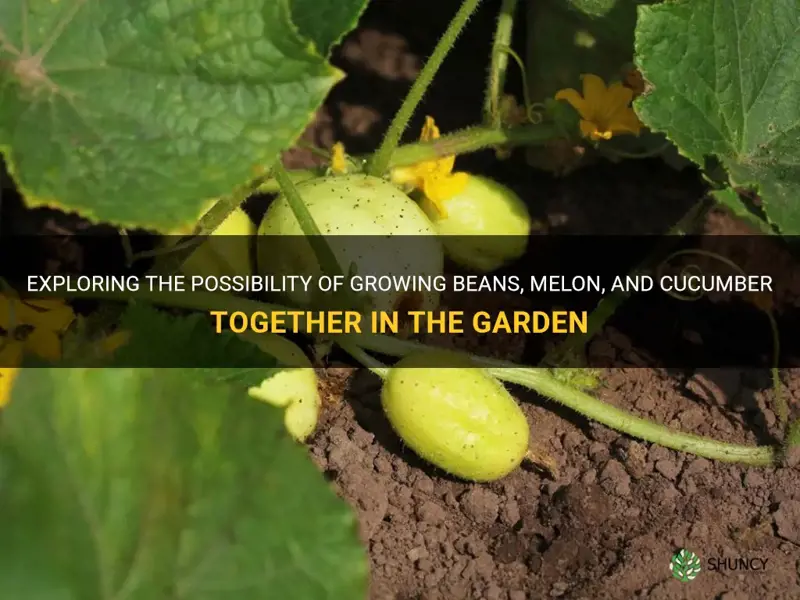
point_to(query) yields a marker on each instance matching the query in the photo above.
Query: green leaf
(594, 8)
(162, 340)
(139, 113)
(326, 23)
(152, 484)
(727, 84)
(728, 198)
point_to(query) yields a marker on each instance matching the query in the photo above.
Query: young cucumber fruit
(455, 416)
(296, 391)
(484, 227)
(386, 232)
(226, 252)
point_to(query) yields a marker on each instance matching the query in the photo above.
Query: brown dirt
(608, 526)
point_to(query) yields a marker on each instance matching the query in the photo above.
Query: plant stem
(370, 362)
(574, 345)
(473, 139)
(793, 434)
(325, 256)
(464, 141)
(499, 63)
(208, 223)
(379, 163)
(611, 416)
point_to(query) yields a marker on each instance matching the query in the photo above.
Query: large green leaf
(159, 339)
(153, 484)
(138, 113)
(726, 75)
(325, 23)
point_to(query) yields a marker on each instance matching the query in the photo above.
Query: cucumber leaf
(726, 84)
(159, 484)
(139, 113)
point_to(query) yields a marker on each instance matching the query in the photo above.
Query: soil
(607, 525)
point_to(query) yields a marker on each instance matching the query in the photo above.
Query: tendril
(313, 149)
(693, 268)
(530, 107)
(780, 404)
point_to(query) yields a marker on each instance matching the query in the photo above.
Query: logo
(685, 565)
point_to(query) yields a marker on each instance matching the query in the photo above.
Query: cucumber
(455, 416)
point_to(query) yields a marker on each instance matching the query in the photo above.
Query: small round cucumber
(484, 227)
(368, 210)
(296, 391)
(455, 416)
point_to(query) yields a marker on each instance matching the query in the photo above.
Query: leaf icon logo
(685, 565)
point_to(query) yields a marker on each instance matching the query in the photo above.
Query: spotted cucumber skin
(455, 416)
(367, 209)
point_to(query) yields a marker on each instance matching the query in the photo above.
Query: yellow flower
(338, 159)
(435, 178)
(32, 326)
(605, 111)
(7, 377)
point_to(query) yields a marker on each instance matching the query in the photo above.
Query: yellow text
(289, 321)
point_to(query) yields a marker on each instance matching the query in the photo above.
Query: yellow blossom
(32, 326)
(435, 178)
(338, 159)
(605, 111)
(7, 377)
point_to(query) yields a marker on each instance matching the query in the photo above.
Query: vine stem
(366, 359)
(538, 380)
(632, 425)
(379, 163)
(499, 63)
(168, 260)
(464, 141)
(793, 435)
(322, 250)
